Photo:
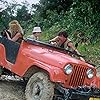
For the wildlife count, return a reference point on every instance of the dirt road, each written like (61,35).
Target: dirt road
(11,90)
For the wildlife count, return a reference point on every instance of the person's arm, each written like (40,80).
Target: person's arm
(15,38)
(8,35)
(70,44)
(54,39)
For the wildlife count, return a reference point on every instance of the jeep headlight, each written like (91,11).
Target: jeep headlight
(68,69)
(90,73)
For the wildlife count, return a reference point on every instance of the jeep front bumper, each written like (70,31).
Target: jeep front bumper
(80,93)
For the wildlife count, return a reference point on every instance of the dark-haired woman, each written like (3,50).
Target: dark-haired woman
(62,40)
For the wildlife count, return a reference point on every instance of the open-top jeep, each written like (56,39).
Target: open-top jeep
(50,72)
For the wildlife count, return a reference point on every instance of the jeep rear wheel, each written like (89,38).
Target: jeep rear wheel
(39,87)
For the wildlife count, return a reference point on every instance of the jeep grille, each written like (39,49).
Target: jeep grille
(78,76)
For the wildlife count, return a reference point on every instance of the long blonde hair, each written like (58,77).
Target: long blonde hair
(15,27)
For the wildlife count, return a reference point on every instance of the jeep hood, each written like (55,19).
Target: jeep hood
(50,57)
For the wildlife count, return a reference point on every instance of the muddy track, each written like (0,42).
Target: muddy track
(12,90)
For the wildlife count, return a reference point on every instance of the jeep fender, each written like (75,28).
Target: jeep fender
(2,55)
(96,82)
(56,74)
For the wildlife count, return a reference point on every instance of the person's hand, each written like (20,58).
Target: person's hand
(8,36)
(54,43)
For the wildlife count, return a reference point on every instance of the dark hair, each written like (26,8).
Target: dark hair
(33,32)
(65,34)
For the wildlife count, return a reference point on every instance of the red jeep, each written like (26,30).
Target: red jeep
(51,73)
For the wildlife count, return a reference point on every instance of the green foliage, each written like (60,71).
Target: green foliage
(91,52)
(14,11)
(50,33)
(81,16)
(55,15)
(58,5)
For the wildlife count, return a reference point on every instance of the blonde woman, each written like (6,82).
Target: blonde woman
(16,31)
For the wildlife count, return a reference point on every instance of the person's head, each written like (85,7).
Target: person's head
(63,35)
(36,31)
(15,27)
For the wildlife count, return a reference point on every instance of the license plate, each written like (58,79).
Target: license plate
(94,99)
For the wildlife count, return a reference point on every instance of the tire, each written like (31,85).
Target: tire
(39,87)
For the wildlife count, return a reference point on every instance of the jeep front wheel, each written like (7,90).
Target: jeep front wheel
(39,87)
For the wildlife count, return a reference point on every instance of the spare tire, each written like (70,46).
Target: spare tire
(39,87)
